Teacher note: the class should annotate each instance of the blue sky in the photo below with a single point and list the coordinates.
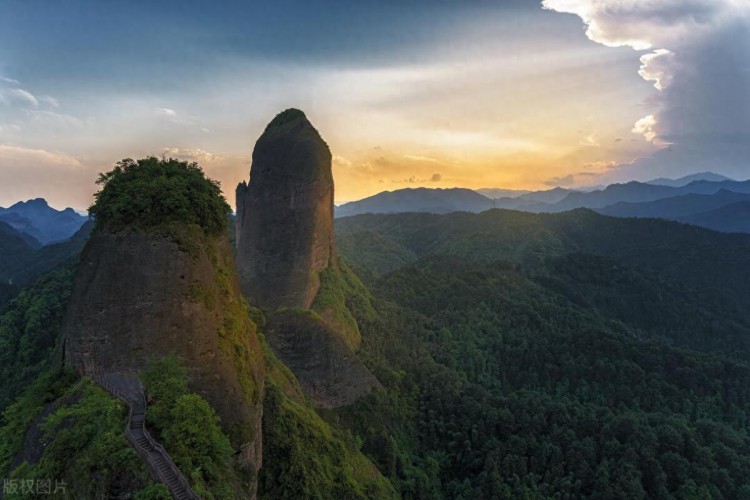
(438, 93)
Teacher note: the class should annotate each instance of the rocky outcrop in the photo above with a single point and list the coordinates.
(139, 296)
(327, 369)
(286, 260)
(285, 215)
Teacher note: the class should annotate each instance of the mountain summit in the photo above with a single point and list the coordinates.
(160, 281)
(285, 215)
(287, 265)
(37, 219)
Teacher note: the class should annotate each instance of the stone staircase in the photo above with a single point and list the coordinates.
(128, 389)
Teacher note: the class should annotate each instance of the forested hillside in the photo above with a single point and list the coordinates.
(521, 356)
(560, 356)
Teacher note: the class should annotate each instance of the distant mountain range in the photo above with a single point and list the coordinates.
(436, 201)
(733, 218)
(494, 193)
(23, 259)
(684, 181)
(706, 199)
(35, 218)
(677, 206)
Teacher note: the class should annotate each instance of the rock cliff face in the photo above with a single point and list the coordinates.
(286, 260)
(285, 215)
(138, 296)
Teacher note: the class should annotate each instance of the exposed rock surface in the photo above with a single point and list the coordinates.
(327, 369)
(285, 215)
(287, 264)
(138, 296)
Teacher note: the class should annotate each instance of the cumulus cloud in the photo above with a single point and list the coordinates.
(191, 154)
(698, 60)
(646, 127)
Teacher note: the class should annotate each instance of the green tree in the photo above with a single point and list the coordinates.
(152, 192)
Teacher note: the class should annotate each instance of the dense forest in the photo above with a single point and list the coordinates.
(521, 356)
(534, 356)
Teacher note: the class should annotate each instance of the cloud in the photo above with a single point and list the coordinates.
(646, 127)
(340, 161)
(165, 112)
(50, 120)
(590, 141)
(698, 61)
(9, 154)
(175, 117)
(49, 101)
(436, 178)
(191, 154)
(563, 181)
(21, 95)
(30, 172)
(9, 80)
(420, 158)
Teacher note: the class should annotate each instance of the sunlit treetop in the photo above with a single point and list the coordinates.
(152, 192)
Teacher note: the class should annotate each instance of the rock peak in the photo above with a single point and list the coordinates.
(285, 214)
(287, 116)
(286, 261)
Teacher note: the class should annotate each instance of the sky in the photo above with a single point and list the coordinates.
(515, 94)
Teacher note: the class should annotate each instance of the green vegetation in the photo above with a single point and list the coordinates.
(24, 264)
(30, 328)
(518, 365)
(156, 491)
(153, 192)
(188, 428)
(7, 292)
(372, 255)
(237, 334)
(79, 440)
(717, 263)
(305, 457)
(330, 304)
(17, 417)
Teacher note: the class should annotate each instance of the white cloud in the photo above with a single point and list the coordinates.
(645, 24)
(645, 127)
(9, 80)
(177, 118)
(49, 101)
(340, 161)
(191, 154)
(657, 67)
(698, 62)
(165, 112)
(21, 95)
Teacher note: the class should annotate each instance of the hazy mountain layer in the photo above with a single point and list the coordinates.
(37, 219)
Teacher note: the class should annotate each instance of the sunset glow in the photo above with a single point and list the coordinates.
(509, 95)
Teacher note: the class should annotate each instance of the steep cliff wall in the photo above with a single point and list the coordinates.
(287, 265)
(139, 296)
(285, 215)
